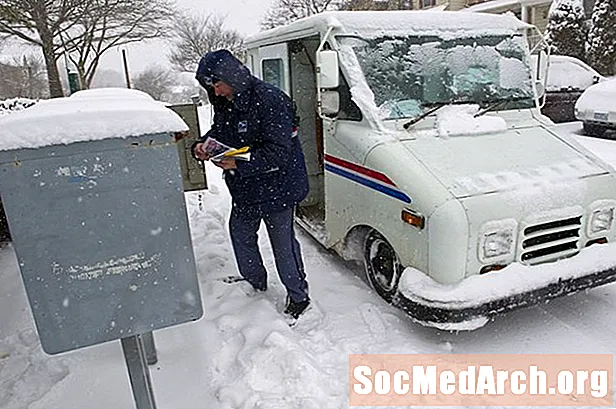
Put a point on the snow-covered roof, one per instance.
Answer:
(375, 23)
(502, 4)
(85, 116)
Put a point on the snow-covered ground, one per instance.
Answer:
(8, 106)
(242, 354)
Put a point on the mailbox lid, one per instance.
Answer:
(86, 116)
(193, 171)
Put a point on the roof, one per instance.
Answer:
(376, 23)
(503, 4)
(86, 116)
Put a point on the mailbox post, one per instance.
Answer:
(93, 194)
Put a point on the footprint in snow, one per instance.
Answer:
(372, 318)
(25, 364)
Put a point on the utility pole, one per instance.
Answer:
(125, 62)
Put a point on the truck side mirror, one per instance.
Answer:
(541, 82)
(541, 70)
(327, 69)
(540, 89)
(330, 103)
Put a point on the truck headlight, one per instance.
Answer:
(497, 240)
(601, 220)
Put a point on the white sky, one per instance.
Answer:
(241, 15)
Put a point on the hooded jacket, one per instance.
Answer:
(260, 116)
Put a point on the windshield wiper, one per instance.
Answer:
(425, 114)
(492, 106)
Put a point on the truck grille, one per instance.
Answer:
(551, 240)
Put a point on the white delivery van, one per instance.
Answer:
(430, 161)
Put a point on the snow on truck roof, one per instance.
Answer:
(376, 23)
(87, 116)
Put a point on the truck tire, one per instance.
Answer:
(594, 130)
(382, 265)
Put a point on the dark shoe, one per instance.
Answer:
(295, 309)
(237, 279)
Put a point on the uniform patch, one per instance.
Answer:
(242, 126)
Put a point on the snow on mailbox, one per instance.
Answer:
(92, 189)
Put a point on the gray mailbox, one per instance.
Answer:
(93, 194)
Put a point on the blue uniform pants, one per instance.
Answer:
(244, 225)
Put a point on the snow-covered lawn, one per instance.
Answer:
(8, 106)
(242, 354)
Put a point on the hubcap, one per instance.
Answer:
(383, 264)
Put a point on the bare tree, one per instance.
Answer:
(156, 81)
(196, 35)
(84, 29)
(286, 11)
(110, 23)
(40, 22)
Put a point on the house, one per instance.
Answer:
(531, 11)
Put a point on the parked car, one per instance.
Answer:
(596, 108)
(568, 77)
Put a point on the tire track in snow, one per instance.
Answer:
(26, 374)
(587, 313)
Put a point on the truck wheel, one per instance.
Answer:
(382, 265)
(594, 130)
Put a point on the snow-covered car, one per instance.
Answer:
(429, 161)
(567, 78)
(596, 108)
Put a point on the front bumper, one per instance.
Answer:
(470, 304)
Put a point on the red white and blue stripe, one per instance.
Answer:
(365, 176)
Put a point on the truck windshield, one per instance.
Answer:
(409, 75)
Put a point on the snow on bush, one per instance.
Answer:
(567, 28)
(15, 104)
(602, 37)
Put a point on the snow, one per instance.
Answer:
(12, 105)
(361, 93)
(87, 116)
(422, 22)
(600, 97)
(480, 289)
(243, 355)
(561, 178)
(459, 120)
(447, 24)
(556, 5)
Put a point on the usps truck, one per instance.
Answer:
(430, 161)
